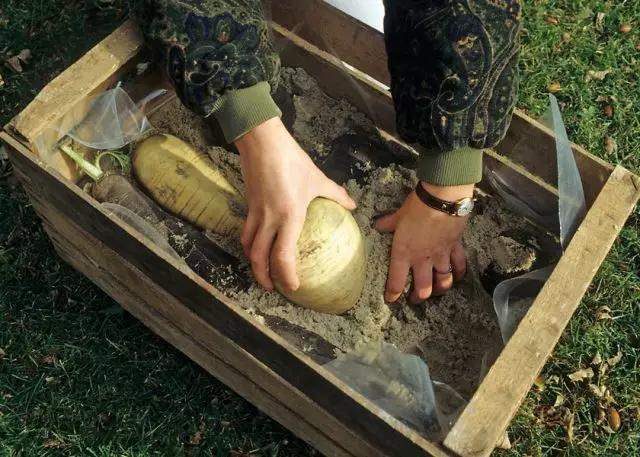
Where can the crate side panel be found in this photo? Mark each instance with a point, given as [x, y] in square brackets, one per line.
[166, 317]
[346, 405]
[511, 376]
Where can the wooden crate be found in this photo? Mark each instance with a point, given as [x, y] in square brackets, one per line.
[250, 358]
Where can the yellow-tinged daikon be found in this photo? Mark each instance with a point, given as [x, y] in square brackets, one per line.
[330, 256]
[185, 182]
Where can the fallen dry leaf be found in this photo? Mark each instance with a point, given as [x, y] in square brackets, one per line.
[52, 443]
[638, 47]
[553, 379]
[49, 379]
[602, 416]
[552, 20]
[1, 81]
[625, 28]
[593, 74]
[4, 20]
[559, 400]
[581, 374]
[607, 397]
[14, 63]
[49, 360]
[608, 111]
[24, 56]
[569, 427]
[613, 361]
[600, 22]
[539, 383]
[606, 99]
[7, 396]
[613, 417]
[566, 37]
[2, 353]
[196, 438]
[610, 146]
[624, 267]
[554, 87]
[597, 359]
[597, 391]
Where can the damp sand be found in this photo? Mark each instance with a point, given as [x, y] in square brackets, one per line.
[453, 333]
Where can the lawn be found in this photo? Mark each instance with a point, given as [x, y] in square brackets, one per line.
[79, 376]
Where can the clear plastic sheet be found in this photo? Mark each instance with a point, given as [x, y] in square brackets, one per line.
[141, 226]
[107, 121]
[399, 384]
[512, 196]
[112, 122]
[571, 203]
[512, 298]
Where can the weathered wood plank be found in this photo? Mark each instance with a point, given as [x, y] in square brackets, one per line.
[332, 30]
[531, 144]
[164, 315]
[64, 101]
[509, 379]
[347, 406]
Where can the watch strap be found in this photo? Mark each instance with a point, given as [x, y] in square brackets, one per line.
[436, 203]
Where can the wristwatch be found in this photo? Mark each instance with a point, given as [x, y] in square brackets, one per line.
[459, 208]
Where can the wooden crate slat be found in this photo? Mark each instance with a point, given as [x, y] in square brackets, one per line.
[63, 102]
[510, 378]
[165, 316]
[199, 320]
[332, 30]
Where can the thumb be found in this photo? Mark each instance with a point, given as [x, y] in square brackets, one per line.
[387, 224]
[339, 194]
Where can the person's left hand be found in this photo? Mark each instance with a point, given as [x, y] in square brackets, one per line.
[426, 241]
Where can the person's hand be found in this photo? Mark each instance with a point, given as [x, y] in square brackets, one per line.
[280, 181]
[427, 242]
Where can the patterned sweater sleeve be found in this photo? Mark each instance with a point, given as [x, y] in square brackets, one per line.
[454, 80]
[218, 56]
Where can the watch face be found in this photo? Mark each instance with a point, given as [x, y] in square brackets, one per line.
[465, 208]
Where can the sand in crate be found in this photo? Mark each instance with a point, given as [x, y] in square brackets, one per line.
[453, 332]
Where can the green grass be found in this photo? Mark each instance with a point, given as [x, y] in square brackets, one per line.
[79, 376]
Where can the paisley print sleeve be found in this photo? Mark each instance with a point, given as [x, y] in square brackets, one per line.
[212, 49]
[454, 73]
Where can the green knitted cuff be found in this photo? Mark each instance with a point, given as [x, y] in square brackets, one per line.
[241, 110]
[451, 168]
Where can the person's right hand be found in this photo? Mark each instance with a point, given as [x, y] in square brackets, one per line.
[280, 181]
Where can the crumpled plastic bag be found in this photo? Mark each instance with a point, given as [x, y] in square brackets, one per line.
[109, 120]
[513, 297]
[111, 123]
[142, 226]
[401, 385]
